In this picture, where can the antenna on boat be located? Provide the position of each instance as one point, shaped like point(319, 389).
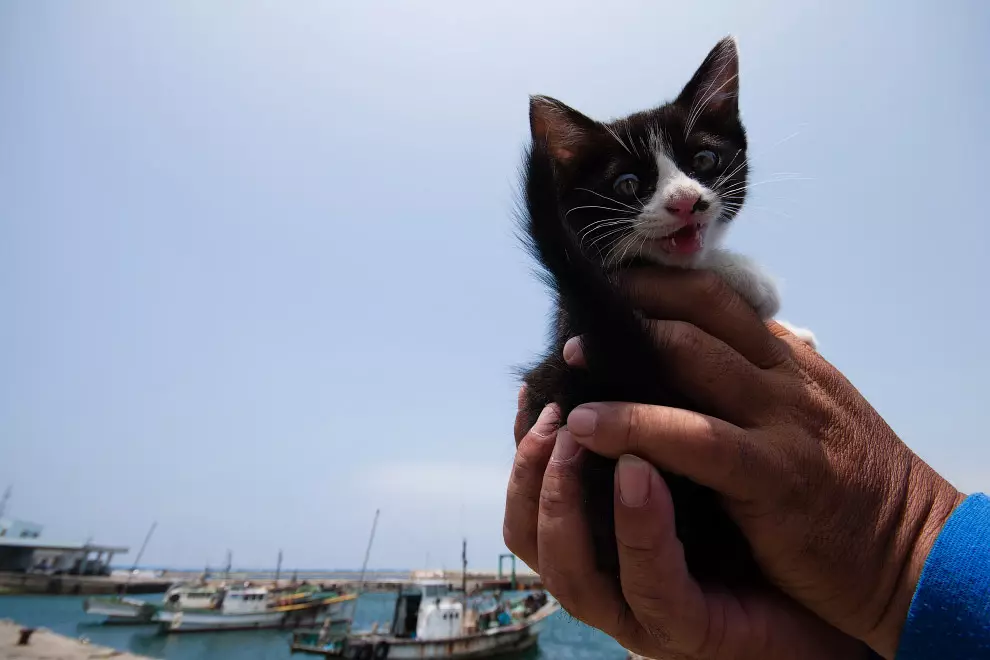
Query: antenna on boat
point(137, 560)
point(226, 570)
point(367, 553)
point(278, 568)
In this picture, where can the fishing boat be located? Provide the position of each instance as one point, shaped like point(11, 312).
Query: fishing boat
point(121, 610)
point(430, 622)
point(201, 607)
point(256, 608)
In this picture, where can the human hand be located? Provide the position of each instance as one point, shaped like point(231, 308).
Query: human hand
point(840, 514)
point(657, 609)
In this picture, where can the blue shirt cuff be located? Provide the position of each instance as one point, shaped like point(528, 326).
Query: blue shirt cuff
point(950, 611)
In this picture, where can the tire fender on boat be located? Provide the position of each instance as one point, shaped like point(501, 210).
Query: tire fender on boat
point(381, 650)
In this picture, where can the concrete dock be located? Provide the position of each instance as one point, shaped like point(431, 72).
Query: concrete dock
point(79, 585)
point(46, 645)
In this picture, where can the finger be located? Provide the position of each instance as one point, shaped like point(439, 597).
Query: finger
point(520, 427)
point(522, 498)
point(704, 449)
point(574, 353)
point(711, 374)
point(566, 555)
point(669, 605)
point(705, 300)
point(716, 378)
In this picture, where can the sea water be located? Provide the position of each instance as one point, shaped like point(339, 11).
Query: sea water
point(562, 638)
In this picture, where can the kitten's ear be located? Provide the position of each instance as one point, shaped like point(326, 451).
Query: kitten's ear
point(562, 129)
point(715, 85)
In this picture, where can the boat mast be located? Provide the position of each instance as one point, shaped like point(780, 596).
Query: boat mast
point(226, 570)
point(278, 568)
point(464, 569)
point(137, 560)
point(367, 553)
point(4, 500)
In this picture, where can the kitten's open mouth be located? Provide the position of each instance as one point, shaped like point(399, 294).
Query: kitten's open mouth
point(689, 239)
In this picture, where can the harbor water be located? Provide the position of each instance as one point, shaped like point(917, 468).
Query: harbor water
point(562, 639)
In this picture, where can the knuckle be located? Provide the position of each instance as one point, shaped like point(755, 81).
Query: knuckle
point(555, 496)
point(677, 335)
point(510, 537)
point(710, 285)
point(631, 429)
point(519, 543)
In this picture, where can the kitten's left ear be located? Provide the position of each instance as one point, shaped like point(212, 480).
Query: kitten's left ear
point(564, 131)
point(715, 85)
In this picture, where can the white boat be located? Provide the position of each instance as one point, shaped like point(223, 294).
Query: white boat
point(182, 596)
point(429, 622)
point(254, 608)
point(202, 607)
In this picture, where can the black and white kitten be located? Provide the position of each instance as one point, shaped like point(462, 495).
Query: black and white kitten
point(660, 186)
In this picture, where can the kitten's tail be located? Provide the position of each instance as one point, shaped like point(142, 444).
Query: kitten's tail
point(617, 348)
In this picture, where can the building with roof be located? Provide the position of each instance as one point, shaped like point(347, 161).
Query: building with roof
point(22, 550)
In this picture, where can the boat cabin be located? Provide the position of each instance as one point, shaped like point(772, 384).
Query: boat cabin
point(246, 601)
point(191, 597)
point(427, 611)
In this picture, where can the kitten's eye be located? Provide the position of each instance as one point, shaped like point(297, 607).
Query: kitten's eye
point(627, 185)
point(704, 161)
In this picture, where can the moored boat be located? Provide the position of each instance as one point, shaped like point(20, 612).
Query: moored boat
point(255, 608)
point(429, 622)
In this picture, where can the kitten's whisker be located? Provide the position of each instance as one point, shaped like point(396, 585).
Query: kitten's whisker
point(601, 224)
point(614, 201)
point(610, 232)
point(603, 208)
point(725, 177)
point(617, 138)
point(607, 260)
point(746, 186)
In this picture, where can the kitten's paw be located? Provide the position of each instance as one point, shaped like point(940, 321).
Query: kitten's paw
point(804, 334)
point(749, 280)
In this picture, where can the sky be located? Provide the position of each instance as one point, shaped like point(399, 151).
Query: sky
point(258, 276)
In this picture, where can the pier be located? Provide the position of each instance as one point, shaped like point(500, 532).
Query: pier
point(45, 645)
point(80, 585)
point(375, 581)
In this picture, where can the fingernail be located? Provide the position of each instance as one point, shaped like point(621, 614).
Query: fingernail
point(582, 421)
point(565, 447)
point(633, 475)
point(572, 348)
point(546, 423)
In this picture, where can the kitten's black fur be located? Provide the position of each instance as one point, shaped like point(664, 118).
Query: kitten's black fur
point(568, 152)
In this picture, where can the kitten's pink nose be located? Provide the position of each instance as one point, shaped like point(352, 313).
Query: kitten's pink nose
point(684, 206)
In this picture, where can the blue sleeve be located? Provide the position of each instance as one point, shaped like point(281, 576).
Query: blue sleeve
point(950, 610)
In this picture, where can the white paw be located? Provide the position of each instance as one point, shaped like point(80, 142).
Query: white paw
point(748, 279)
point(804, 334)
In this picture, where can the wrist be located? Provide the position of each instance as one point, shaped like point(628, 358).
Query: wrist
point(932, 501)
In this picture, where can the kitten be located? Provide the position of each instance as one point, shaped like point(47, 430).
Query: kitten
point(657, 187)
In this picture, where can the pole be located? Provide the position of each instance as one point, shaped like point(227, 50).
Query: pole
point(367, 553)
point(137, 560)
point(4, 500)
point(278, 568)
point(226, 572)
point(464, 568)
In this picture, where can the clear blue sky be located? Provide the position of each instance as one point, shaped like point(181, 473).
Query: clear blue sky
point(257, 270)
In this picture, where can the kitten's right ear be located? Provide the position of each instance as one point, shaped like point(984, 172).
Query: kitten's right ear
point(562, 129)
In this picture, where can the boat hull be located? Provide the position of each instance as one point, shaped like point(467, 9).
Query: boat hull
point(121, 611)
